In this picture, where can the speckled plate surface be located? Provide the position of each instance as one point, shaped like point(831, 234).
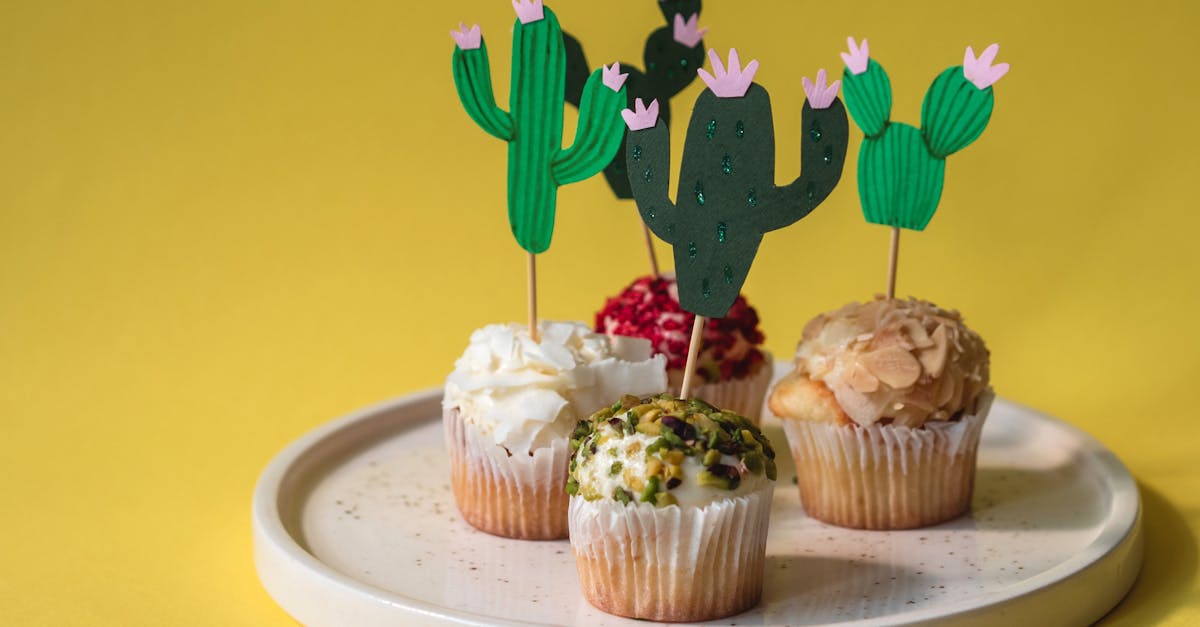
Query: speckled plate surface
point(355, 524)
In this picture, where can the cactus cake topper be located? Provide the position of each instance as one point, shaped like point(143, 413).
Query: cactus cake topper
point(533, 126)
point(727, 195)
point(901, 168)
point(671, 56)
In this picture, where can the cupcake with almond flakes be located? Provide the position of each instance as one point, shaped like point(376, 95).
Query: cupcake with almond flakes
point(732, 369)
point(883, 414)
point(669, 507)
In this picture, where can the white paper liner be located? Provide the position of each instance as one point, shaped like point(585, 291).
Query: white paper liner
point(678, 564)
point(742, 396)
point(515, 496)
point(884, 476)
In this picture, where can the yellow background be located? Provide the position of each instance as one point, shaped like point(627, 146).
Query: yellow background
point(223, 223)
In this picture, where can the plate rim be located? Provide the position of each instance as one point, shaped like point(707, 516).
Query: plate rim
point(273, 541)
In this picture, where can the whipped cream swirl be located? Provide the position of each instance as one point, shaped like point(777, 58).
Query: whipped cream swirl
point(528, 393)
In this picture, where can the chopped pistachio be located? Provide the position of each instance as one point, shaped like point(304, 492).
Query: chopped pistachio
point(653, 467)
point(663, 499)
point(672, 438)
point(711, 457)
point(769, 466)
point(649, 428)
point(754, 463)
point(615, 469)
point(675, 471)
point(674, 457)
point(572, 486)
point(705, 423)
point(622, 496)
point(632, 480)
point(650, 490)
point(641, 410)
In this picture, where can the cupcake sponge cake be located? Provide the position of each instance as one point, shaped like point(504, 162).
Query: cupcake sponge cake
point(510, 407)
point(883, 413)
point(669, 508)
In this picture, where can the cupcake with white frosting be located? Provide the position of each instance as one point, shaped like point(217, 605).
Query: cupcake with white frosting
point(883, 414)
point(510, 407)
point(670, 503)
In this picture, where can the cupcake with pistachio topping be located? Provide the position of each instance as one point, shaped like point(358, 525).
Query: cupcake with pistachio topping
point(670, 501)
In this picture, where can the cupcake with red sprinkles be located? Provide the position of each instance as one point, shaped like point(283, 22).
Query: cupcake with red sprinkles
point(732, 370)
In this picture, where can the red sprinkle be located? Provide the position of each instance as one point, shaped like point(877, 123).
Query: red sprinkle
point(649, 308)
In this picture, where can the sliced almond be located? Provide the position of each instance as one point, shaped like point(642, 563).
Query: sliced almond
point(894, 366)
point(859, 407)
point(933, 359)
point(945, 391)
point(891, 335)
point(917, 334)
point(862, 380)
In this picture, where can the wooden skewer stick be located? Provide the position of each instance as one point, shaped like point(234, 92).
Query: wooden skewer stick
point(689, 370)
point(650, 250)
point(532, 290)
point(892, 260)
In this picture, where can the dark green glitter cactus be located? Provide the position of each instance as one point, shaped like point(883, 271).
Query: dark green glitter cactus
point(671, 56)
point(901, 169)
point(727, 194)
point(537, 162)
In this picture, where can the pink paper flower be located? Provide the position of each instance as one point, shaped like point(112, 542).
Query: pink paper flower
point(732, 83)
point(467, 39)
point(641, 117)
point(980, 71)
point(688, 32)
point(613, 78)
point(529, 10)
point(856, 60)
point(819, 95)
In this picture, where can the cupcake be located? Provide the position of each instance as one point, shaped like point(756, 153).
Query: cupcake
point(732, 369)
point(669, 507)
point(510, 407)
point(883, 414)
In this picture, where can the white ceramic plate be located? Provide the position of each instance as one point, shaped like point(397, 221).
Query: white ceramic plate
point(355, 524)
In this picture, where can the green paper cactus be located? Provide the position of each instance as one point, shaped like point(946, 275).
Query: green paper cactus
point(533, 128)
point(670, 58)
point(727, 197)
point(901, 169)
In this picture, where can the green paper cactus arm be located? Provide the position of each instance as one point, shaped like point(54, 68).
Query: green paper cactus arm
point(670, 57)
point(868, 90)
point(825, 133)
point(599, 132)
point(648, 160)
point(473, 80)
point(537, 163)
point(578, 71)
point(959, 103)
